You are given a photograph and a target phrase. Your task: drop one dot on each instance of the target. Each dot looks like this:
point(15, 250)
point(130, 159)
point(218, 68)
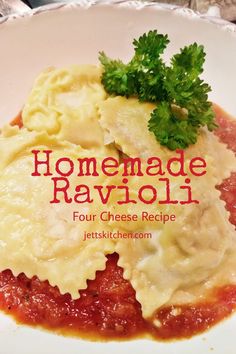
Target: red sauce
point(197, 317)
point(108, 307)
point(227, 128)
point(17, 120)
point(227, 134)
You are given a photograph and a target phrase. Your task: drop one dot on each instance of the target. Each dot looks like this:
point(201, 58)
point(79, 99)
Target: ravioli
point(69, 112)
point(179, 254)
point(39, 238)
point(63, 102)
point(125, 120)
point(190, 251)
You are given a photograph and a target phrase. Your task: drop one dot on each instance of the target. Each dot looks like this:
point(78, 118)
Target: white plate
point(65, 34)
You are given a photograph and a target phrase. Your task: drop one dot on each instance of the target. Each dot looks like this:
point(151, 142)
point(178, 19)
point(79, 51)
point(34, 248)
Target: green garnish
point(182, 97)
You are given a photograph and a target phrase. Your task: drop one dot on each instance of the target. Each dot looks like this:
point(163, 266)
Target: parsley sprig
point(181, 95)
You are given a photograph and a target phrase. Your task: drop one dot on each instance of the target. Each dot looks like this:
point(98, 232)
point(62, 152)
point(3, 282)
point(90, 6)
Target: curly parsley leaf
point(180, 94)
point(150, 46)
point(117, 78)
point(171, 130)
point(143, 76)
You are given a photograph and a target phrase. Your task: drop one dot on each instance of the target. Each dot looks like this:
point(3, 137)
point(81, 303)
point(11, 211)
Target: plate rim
point(129, 4)
point(135, 5)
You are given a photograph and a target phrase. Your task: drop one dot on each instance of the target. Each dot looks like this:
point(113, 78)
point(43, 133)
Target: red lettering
point(105, 199)
point(109, 162)
point(189, 190)
point(60, 189)
point(157, 165)
point(180, 161)
point(132, 164)
point(37, 163)
point(88, 162)
point(168, 198)
point(197, 162)
point(152, 189)
point(63, 161)
point(80, 193)
point(126, 189)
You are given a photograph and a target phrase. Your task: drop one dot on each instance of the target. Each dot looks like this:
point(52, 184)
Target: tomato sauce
point(17, 120)
point(108, 308)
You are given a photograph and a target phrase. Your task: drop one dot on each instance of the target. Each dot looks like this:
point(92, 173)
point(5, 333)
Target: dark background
point(27, 3)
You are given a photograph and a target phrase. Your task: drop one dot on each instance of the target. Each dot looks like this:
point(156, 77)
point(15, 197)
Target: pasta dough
point(68, 112)
point(125, 120)
point(178, 255)
point(188, 252)
point(63, 102)
point(39, 238)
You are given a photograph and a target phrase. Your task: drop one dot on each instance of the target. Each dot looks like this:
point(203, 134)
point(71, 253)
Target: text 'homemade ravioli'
point(69, 112)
